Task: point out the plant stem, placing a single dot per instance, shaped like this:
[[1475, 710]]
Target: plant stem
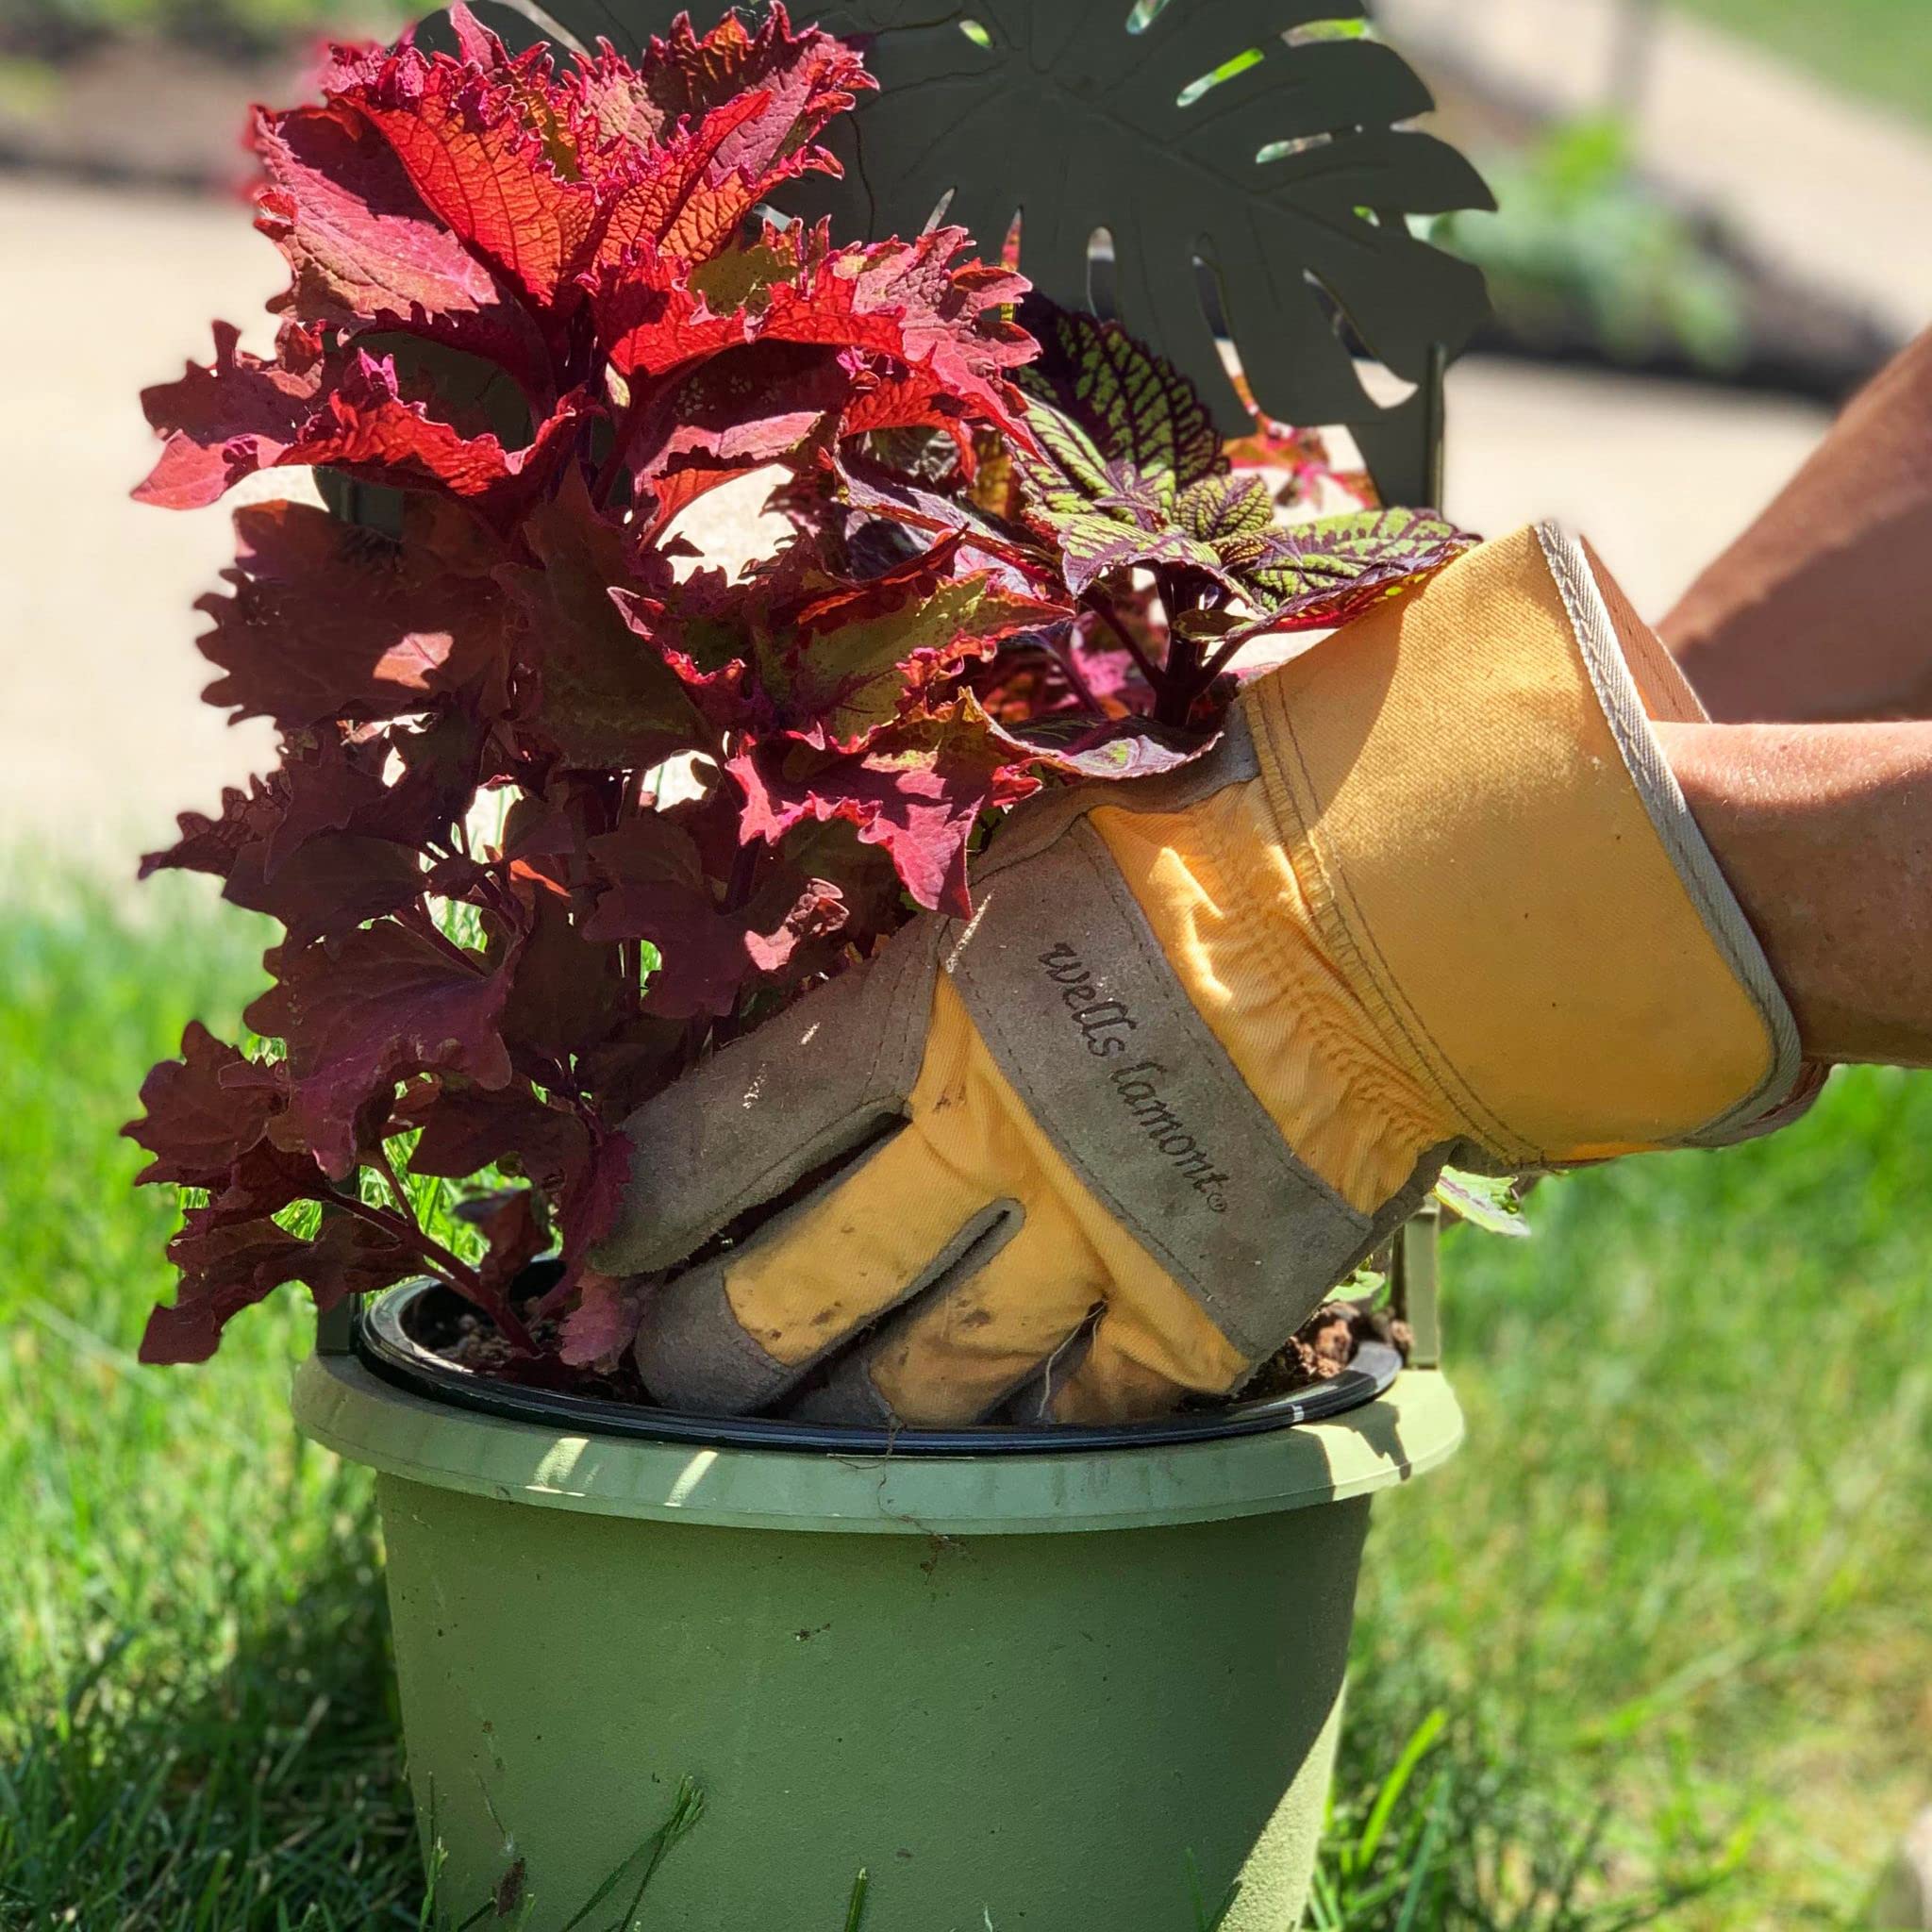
[[418, 920], [460, 1275], [1221, 659], [606, 480], [1103, 609], [1180, 685]]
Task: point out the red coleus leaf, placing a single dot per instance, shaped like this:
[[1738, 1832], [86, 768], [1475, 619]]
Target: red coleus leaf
[[195, 1128], [224, 422], [347, 413], [725, 696], [660, 892], [917, 788], [365, 250], [800, 80], [888, 335], [687, 203], [227, 1266], [323, 620], [919, 303], [730, 116], [495, 146], [653, 324], [385, 1002]]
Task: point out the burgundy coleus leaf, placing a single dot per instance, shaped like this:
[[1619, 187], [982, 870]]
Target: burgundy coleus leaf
[[328, 884], [325, 620], [322, 844], [568, 995], [466, 1130], [660, 892], [227, 1266], [606, 697], [385, 1002], [918, 789], [211, 844], [515, 1230], [366, 251], [591, 1197], [195, 1128], [873, 492], [1133, 747], [605, 1321]]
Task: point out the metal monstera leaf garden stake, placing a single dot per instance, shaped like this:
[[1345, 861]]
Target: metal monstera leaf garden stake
[[1204, 169]]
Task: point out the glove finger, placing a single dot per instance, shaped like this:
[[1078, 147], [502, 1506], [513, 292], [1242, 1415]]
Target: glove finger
[[814, 1085], [1153, 1350], [957, 1352], [732, 1335]]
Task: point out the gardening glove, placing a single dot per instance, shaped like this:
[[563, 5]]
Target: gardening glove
[[1209, 1037]]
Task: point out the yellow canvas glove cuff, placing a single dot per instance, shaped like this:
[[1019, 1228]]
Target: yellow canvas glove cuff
[[1465, 899]]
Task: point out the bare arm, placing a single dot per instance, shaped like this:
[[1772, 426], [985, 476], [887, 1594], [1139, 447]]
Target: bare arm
[[1825, 832], [1823, 609]]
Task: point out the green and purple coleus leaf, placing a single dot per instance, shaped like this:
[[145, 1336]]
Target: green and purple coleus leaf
[[1122, 435], [1128, 475]]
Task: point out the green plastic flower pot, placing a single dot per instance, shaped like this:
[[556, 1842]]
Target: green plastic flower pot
[[1060, 1689]]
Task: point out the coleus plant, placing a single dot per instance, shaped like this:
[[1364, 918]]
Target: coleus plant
[[556, 812]]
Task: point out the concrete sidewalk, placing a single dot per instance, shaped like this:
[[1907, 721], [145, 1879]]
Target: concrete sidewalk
[[102, 737], [1836, 190]]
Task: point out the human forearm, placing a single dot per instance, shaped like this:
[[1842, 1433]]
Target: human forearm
[[1825, 832], [1823, 609]]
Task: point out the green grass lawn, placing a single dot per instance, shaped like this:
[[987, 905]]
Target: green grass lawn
[[1654, 1650], [1882, 48]]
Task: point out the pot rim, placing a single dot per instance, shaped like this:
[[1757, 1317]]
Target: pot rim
[[382, 1338], [424, 1438]]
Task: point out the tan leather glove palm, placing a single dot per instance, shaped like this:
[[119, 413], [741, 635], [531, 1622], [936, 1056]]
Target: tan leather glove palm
[[1210, 1039]]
